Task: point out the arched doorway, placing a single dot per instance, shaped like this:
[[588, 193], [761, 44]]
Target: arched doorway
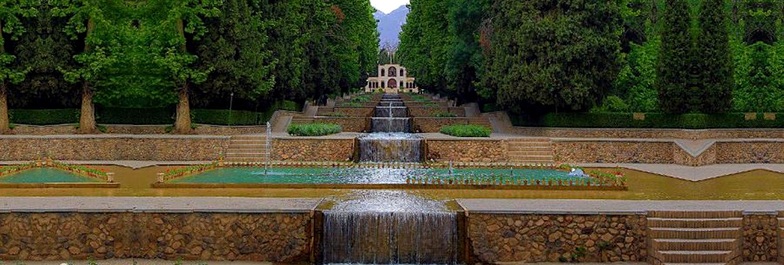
[[392, 83], [392, 71]]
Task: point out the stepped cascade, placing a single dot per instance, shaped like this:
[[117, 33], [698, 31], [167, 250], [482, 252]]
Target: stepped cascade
[[390, 228], [390, 140]]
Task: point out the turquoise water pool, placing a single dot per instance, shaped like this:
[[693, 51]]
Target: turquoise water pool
[[362, 176], [44, 175]]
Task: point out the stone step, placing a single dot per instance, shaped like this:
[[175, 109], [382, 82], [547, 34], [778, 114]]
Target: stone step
[[696, 215], [695, 233], [695, 222], [532, 157], [695, 244], [694, 256]]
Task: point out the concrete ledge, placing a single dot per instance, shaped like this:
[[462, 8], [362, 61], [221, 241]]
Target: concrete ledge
[[611, 207], [156, 204]]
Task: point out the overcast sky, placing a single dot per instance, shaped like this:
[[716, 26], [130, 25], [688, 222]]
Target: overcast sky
[[387, 6]]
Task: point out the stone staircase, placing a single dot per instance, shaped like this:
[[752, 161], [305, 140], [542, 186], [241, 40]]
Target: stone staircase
[[695, 237], [530, 151], [247, 148]]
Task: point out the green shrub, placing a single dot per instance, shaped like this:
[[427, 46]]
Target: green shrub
[[314, 129], [361, 99], [466, 130], [44, 116], [612, 104], [652, 120], [138, 116], [445, 115], [221, 117]]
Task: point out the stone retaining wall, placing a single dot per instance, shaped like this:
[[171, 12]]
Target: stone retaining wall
[[593, 151], [348, 124], [746, 152], [137, 129], [529, 238], [432, 111], [432, 125], [466, 150], [648, 133], [312, 149], [760, 238], [114, 147], [348, 111], [273, 237]]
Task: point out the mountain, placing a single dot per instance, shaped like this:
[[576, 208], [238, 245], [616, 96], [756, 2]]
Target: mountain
[[389, 25]]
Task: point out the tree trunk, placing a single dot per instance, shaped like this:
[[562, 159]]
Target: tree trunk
[[182, 123], [87, 116], [5, 123]]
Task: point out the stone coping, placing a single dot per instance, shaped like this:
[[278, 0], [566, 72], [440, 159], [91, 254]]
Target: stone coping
[[157, 204], [115, 136], [612, 207]]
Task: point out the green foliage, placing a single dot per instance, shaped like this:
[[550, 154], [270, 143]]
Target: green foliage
[[443, 114], [612, 104], [221, 117], [314, 129], [638, 76], [139, 116], [466, 130], [425, 43], [44, 116], [553, 54], [652, 120], [673, 67], [756, 91], [713, 59]]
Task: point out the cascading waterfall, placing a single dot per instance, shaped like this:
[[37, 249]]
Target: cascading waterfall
[[390, 140], [390, 147], [390, 227]]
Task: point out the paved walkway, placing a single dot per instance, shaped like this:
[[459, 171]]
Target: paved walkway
[[613, 206], [157, 204], [688, 172], [125, 163]]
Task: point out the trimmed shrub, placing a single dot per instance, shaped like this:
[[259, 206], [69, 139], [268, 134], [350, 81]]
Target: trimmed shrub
[[314, 129], [137, 116], [652, 120], [221, 117], [466, 130], [44, 116]]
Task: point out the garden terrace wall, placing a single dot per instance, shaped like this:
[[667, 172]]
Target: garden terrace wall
[[137, 129], [273, 237], [614, 151], [685, 134], [529, 238], [113, 147], [313, 149], [348, 111], [348, 124], [432, 111], [432, 124], [474, 150], [749, 151]]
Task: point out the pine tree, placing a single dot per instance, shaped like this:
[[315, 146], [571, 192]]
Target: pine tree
[[673, 67]]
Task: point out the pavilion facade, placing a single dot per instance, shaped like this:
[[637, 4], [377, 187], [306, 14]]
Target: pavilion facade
[[392, 79]]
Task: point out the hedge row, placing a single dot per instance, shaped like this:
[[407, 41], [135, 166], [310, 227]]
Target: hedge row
[[652, 120], [151, 116]]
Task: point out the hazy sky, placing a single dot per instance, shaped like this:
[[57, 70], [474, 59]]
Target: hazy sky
[[387, 6]]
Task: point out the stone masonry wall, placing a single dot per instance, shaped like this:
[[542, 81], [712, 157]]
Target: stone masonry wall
[[312, 149], [589, 151], [749, 152], [432, 111], [433, 125], [106, 147], [648, 133], [137, 129], [348, 124], [760, 238], [275, 237], [466, 151], [348, 111], [531, 238]]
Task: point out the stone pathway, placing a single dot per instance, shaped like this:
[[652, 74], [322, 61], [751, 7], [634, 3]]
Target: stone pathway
[[688, 172], [612, 206], [157, 204]]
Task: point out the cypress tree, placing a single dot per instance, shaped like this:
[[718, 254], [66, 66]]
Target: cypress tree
[[672, 71], [714, 59]]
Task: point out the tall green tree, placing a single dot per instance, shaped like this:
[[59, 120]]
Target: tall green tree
[[425, 43], [234, 51], [465, 63], [553, 54], [713, 59], [183, 23], [10, 28], [358, 38], [87, 24], [673, 66]]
